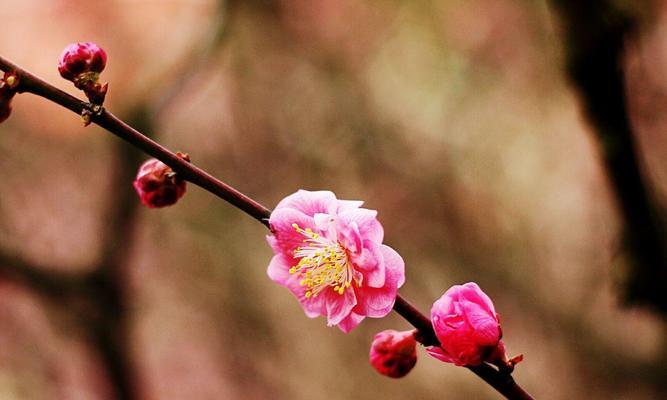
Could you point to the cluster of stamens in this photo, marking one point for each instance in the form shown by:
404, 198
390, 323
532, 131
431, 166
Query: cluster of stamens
323, 263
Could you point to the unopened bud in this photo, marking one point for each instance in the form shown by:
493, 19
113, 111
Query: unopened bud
85, 117
158, 185
394, 353
468, 328
81, 58
11, 80
8, 84
82, 63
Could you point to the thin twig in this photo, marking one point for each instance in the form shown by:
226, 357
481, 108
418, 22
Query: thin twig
28, 82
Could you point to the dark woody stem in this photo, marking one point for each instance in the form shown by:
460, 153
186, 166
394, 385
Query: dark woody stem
28, 82
425, 334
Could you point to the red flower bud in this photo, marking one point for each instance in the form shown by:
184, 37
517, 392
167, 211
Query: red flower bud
82, 63
81, 58
394, 353
158, 185
8, 85
468, 328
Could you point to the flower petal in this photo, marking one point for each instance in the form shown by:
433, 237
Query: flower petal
278, 271
313, 306
348, 205
485, 325
378, 302
310, 203
338, 306
375, 302
370, 262
349, 236
472, 292
350, 322
286, 237
394, 265
369, 227
441, 355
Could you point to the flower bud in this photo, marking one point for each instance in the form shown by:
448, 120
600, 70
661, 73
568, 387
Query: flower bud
82, 63
394, 353
158, 185
81, 58
467, 327
8, 85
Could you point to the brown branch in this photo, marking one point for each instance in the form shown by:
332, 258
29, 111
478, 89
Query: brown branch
95, 298
425, 333
188, 171
92, 299
108, 327
595, 32
55, 285
501, 381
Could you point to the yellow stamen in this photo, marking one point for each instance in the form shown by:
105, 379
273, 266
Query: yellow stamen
323, 263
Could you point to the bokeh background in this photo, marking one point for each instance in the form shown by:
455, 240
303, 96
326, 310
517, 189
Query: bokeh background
454, 119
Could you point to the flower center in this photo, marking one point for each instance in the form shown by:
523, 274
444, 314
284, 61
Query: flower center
323, 263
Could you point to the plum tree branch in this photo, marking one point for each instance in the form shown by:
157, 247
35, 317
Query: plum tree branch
30, 83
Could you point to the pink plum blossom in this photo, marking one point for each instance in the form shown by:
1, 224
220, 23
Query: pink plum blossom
467, 327
329, 254
394, 353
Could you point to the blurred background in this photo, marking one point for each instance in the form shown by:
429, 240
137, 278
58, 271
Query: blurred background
454, 119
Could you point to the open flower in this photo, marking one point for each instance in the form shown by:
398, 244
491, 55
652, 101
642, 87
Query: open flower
394, 353
329, 254
467, 326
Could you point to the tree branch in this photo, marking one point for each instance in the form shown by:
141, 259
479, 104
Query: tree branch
501, 381
594, 34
